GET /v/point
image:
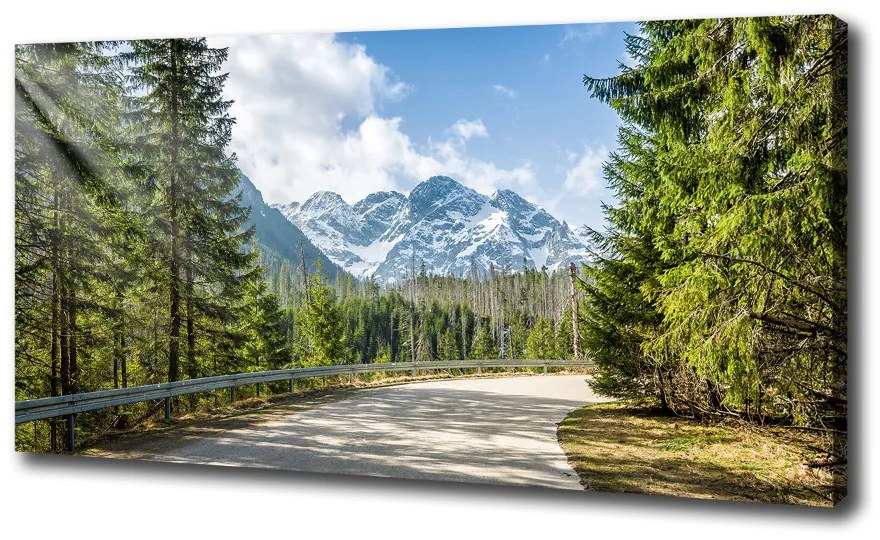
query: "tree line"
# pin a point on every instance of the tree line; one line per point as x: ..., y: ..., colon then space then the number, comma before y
x: 482, y: 315
x: 723, y: 285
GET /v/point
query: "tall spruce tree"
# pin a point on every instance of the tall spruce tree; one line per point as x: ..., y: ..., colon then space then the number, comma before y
x: 733, y: 218
x: 184, y: 129
x: 447, y: 347
x: 266, y: 345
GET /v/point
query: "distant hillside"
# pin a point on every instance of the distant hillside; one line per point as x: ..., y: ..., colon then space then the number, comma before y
x: 280, y: 236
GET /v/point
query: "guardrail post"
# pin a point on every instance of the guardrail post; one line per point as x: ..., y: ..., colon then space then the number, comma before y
x: 545, y: 369
x: 479, y: 370
x: 70, y: 436
x: 350, y: 377
x: 290, y: 386
x: 167, y: 409
x: 232, y: 394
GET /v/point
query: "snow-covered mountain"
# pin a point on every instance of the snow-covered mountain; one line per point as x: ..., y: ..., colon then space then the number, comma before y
x: 441, y: 222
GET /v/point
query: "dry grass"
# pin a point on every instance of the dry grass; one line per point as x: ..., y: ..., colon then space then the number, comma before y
x: 621, y: 447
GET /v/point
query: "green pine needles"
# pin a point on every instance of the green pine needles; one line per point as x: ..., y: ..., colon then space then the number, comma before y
x: 724, y: 286
x: 133, y: 264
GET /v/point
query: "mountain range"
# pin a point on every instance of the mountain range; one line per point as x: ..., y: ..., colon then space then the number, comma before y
x: 442, y: 224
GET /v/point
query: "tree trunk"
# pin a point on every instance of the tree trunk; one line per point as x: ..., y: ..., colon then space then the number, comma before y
x: 116, y: 367
x: 412, y: 307
x: 390, y: 333
x: 124, y: 360
x: 174, y: 287
x: 575, y: 328
x: 840, y: 123
x: 73, y: 331
x: 664, y: 401
x: 463, y: 335
x: 412, y: 333
x: 54, y: 352
x: 120, y: 362
x: 65, y: 338
x: 191, y: 367
x: 305, y: 272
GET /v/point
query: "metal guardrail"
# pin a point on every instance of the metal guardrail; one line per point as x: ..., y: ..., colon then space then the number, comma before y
x: 72, y: 404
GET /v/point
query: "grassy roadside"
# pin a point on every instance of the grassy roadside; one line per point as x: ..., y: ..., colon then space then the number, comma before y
x: 621, y: 447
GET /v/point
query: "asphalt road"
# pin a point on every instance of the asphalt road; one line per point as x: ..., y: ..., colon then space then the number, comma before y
x: 499, y: 431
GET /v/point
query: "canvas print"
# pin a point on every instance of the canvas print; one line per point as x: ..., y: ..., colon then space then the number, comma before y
x: 600, y: 257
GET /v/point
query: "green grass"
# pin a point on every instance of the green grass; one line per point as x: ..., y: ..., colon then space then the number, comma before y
x: 677, y: 444
x: 622, y: 447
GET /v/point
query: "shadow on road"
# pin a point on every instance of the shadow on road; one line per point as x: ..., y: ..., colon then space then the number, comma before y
x: 442, y: 431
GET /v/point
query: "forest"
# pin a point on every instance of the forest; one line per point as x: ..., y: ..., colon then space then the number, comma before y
x: 134, y: 265
x: 719, y: 287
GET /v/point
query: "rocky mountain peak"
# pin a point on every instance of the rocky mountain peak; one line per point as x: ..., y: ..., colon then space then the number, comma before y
x: 438, y: 189
x: 323, y: 201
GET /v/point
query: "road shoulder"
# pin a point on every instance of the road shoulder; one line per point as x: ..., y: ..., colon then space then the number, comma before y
x: 620, y: 447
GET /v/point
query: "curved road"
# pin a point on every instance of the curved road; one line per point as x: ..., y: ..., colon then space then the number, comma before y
x: 500, y: 431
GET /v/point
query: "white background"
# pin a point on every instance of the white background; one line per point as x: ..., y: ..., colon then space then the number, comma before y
x: 71, y: 498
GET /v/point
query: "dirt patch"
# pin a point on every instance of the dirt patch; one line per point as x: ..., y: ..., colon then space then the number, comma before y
x: 621, y: 447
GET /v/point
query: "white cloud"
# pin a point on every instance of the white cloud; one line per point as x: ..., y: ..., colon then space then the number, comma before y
x: 466, y: 129
x: 546, y: 58
x: 504, y: 91
x: 577, y: 198
x: 307, y: 110
x: 586, y: 175
x: 582, y: 33
x: 483, y: 176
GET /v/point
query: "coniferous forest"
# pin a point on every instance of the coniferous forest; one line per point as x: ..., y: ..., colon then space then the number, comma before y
x: 719, y: 286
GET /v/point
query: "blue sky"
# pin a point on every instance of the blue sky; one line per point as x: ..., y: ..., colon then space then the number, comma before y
x: 495, y: 108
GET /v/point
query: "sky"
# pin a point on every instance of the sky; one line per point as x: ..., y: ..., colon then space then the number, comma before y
x: 494, y: 108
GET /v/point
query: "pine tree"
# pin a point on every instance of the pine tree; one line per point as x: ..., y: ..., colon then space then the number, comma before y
x: 483, y: 347
x: 732, y: 222
x: 541, y: 343
x: 176, y: 102
x: 266, y: 345
x: 447, y: 349
x: 321, y: 326
x: 383, y: 356
x: 518, y: 335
